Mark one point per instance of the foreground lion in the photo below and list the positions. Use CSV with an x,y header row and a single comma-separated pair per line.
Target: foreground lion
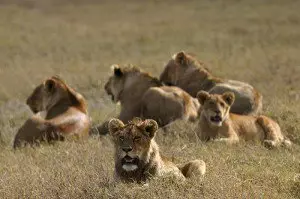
x,y
215,120
65,114
188,73
137,156
142,95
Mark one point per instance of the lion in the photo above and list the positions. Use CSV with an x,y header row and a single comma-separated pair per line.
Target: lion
x,y
137,155
59,112
216,119
142,95
186,72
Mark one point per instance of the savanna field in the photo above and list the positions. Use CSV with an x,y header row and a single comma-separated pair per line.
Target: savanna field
x,y
255,41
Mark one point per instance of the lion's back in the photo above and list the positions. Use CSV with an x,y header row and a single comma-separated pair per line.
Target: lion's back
x,y
162,106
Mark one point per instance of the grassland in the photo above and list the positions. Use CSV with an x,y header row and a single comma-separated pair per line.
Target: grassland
x,y
255,41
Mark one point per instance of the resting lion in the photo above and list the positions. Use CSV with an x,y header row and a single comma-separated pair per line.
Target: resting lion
x,y
137,156
188,73
142,95
65,114
215,120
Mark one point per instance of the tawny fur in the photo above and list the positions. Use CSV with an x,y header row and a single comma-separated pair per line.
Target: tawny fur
x,y
216,121
142,95
186,72
65,114
135,141
171,103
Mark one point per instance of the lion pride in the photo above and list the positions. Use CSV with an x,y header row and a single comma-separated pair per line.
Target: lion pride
x,y
142,95
65,114
215,120
186,72
137,155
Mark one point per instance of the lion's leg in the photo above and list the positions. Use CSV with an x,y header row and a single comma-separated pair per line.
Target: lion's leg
x,y
269,144
204,133
34,131
230,140
272,132
229,135
204,136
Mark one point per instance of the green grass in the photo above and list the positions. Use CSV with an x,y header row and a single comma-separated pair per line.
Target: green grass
x,y
255,41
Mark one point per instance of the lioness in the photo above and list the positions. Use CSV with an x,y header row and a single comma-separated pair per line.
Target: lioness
x,y
137,156
142,95
215,119
65,114
188,73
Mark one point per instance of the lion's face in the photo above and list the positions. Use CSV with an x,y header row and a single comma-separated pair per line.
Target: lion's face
x,y
176,67
215,107
115,84
132,141
46,95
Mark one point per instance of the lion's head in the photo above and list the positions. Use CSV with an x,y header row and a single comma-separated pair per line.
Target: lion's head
x,y
115,83
126,79
177,66
215,107
132,141
50,92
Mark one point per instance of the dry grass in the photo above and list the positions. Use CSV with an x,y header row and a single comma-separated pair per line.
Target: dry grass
x,y
255,41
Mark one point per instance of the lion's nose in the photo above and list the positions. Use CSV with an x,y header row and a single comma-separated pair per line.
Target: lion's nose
x,y
218,112
127,149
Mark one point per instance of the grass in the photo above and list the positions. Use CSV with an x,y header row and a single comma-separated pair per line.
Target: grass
x,y
254,41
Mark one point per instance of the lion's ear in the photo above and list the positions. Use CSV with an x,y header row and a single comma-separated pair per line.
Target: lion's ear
x,y
117,70
150,127
50,85
181,58
202,96
228,97
114,125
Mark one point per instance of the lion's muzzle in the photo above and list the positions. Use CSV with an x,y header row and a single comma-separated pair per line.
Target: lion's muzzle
x,y
129,163
216,119
129,160
127,149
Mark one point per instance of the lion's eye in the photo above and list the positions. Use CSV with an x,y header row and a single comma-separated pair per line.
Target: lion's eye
x,y
222,104
137,138
121,138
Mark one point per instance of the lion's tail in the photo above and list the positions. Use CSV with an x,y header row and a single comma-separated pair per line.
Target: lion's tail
x,y
193,168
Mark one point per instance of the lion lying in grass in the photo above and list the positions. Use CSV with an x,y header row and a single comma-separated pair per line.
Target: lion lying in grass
x,y
188,73
142,95
215,120
137,156
65,114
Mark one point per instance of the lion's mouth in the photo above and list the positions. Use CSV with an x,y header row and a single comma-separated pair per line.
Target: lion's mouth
x,y
169,84
216,119
129,160
112,98
34,110
111,95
